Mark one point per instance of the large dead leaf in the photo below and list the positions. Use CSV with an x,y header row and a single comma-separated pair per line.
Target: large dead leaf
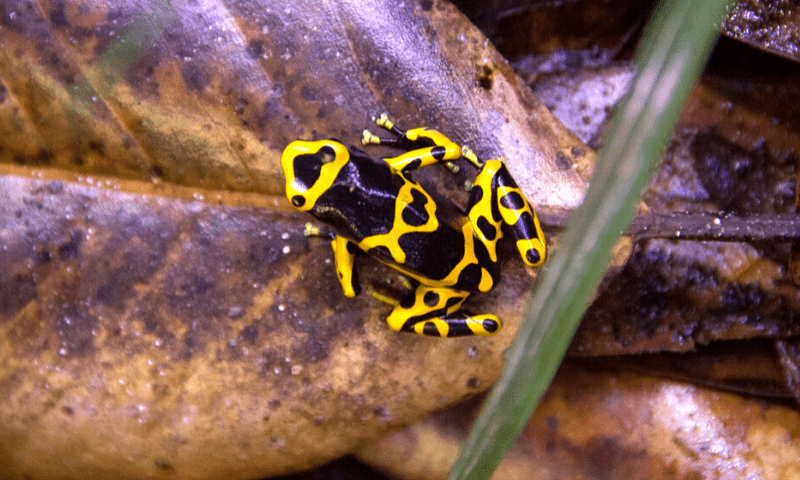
x,y
162,312
213,92
150,333
160,306
605,423
769,25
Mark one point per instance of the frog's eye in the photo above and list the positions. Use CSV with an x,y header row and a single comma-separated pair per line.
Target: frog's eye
x,y
326,154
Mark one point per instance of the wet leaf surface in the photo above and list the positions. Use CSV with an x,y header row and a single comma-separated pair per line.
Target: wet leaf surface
x,y
162,312
768,25
221,89
597,422
155,332
159,303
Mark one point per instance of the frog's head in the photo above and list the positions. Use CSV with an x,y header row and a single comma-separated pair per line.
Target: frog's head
x,y
310,169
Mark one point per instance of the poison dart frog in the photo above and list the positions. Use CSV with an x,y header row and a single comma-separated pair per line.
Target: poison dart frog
x,y
375,206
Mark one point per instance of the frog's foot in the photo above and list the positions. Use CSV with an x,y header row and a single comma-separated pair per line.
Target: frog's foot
x,y
368,138
423,146
413,139
467,153
311,230
434,311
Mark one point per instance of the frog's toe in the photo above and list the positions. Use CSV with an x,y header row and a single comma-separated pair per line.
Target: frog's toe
x,y
369,138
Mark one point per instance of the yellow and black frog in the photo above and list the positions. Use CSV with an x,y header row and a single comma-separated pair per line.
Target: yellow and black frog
x,y
374,206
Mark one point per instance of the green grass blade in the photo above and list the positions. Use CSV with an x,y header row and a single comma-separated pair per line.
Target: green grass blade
x,y
671,56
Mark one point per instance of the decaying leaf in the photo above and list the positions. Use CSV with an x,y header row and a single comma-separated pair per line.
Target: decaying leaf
x,y
605,423
162,312
769,25
221,89
144,333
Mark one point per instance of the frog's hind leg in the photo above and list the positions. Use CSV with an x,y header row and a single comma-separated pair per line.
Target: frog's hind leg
x,y
436,312
496,200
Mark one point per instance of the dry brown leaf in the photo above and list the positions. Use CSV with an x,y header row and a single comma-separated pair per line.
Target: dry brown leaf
x,y
768,25
596,423
162,312
159,304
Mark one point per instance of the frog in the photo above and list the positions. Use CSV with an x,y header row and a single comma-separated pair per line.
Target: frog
x,y
374,206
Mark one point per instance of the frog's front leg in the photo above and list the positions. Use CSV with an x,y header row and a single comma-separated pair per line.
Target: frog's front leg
x,y
495,200
436,312
424,147
344,254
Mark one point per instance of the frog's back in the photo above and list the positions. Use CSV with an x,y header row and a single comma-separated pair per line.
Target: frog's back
x,y
393,219
450,255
